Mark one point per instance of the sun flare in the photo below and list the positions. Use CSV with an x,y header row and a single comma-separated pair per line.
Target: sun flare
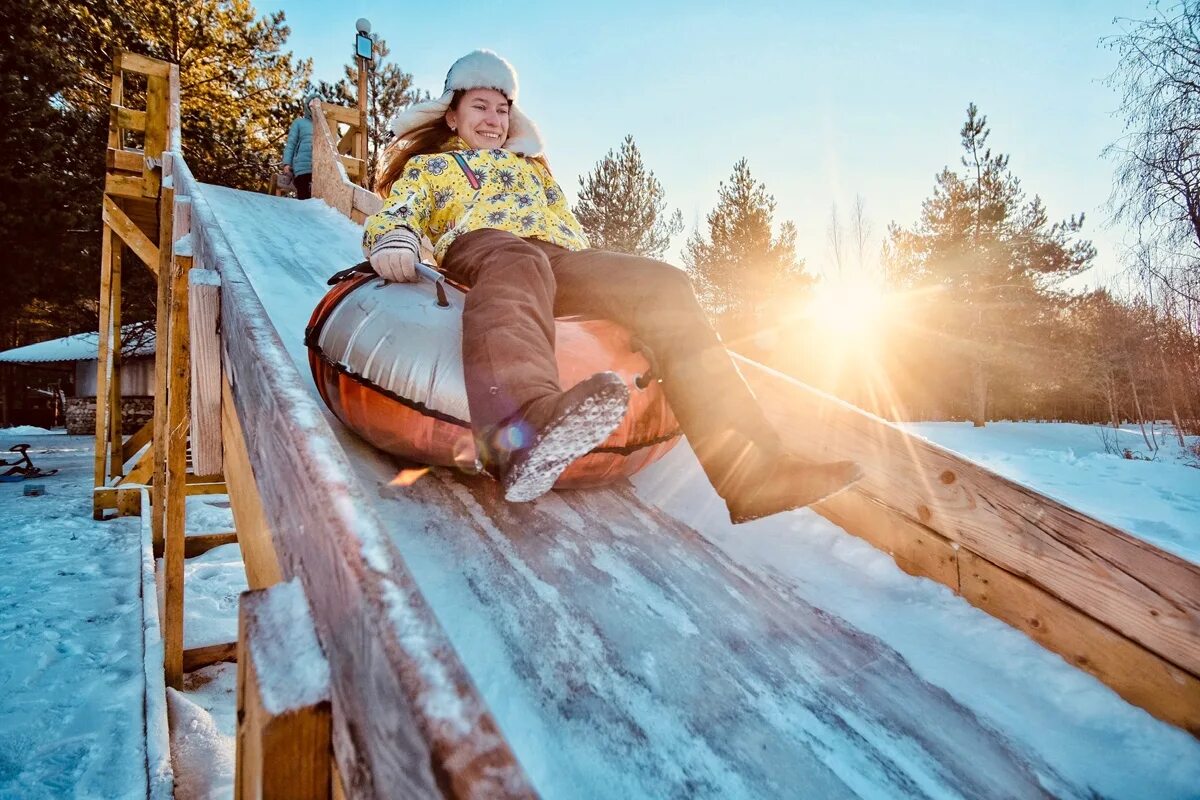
x,y
855,309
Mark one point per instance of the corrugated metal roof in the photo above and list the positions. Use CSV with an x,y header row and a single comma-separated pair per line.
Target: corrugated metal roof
x,y
79,347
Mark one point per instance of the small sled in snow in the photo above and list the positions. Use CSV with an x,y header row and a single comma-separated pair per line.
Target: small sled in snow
x,y
387,360
24,468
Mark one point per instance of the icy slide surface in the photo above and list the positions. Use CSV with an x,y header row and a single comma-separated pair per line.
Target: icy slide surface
x,y
626,654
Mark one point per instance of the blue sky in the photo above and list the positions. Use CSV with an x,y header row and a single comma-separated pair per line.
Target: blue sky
x,y
825,102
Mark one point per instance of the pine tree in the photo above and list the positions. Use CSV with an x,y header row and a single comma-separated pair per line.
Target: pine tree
x,y
238,86
622,207
992,254
49,183
740,267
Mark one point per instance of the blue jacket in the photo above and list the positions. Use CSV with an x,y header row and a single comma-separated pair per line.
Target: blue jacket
x,y
298,150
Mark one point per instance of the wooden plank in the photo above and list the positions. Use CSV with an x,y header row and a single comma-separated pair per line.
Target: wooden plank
x,y
128,119
195,658
330,182
144,213
140,438
116,98
143,470
116,464
125,160
211,487
131,234
197,544
1144,593
346,143
174,142
916,549
175,468
283,742
132,62
103,367
1142,678
129,186
254,533
166,239
343,114
204,306
390,736
366,202
354,166
156,133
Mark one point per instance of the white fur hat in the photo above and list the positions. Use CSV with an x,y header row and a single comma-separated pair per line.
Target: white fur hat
x,y
480,69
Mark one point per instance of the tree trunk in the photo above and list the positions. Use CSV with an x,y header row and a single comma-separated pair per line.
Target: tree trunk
x,y
979,387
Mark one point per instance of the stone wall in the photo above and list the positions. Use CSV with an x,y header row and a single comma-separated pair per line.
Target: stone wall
x,y
81,414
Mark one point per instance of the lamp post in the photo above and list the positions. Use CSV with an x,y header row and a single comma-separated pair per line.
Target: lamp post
x,y
364,51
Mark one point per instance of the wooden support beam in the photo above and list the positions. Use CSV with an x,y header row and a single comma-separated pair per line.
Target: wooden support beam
x,y
142,471
284,707
140,438
166,239
123,186
116,98
116,465
346,143
125,160
210,487
127,119
204,306
1142,678
175,468
354,166
131,234
343,114
132,62
195,658
254,534
197,544
103,368
156,132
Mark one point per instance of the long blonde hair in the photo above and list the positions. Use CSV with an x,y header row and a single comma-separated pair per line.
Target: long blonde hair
x,y
429,138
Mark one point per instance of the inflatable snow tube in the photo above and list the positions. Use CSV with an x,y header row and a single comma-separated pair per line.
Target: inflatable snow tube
x,y
387,360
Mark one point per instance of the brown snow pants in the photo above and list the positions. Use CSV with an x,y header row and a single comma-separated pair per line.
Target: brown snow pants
x,y
519,285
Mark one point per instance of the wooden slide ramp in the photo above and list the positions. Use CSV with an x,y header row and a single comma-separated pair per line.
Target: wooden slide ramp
x,y
608,638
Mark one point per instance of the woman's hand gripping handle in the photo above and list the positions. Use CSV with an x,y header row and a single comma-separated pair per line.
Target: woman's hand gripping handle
x,y
395,255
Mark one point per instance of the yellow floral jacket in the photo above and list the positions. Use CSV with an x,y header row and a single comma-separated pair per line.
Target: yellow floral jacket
x,y
444,195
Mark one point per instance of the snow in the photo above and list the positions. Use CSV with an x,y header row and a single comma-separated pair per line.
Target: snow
x,y
28,430
204,757
1158,500
204,277
70,630
291,669
1079,725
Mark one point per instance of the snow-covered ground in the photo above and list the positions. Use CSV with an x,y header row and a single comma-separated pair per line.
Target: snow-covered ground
x,y
71,682
71,675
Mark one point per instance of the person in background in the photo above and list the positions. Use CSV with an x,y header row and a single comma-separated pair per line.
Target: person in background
x,y
297,153
467,170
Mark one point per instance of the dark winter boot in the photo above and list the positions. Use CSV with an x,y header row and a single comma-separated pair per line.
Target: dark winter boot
x,y
738,448
782,484
580,419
